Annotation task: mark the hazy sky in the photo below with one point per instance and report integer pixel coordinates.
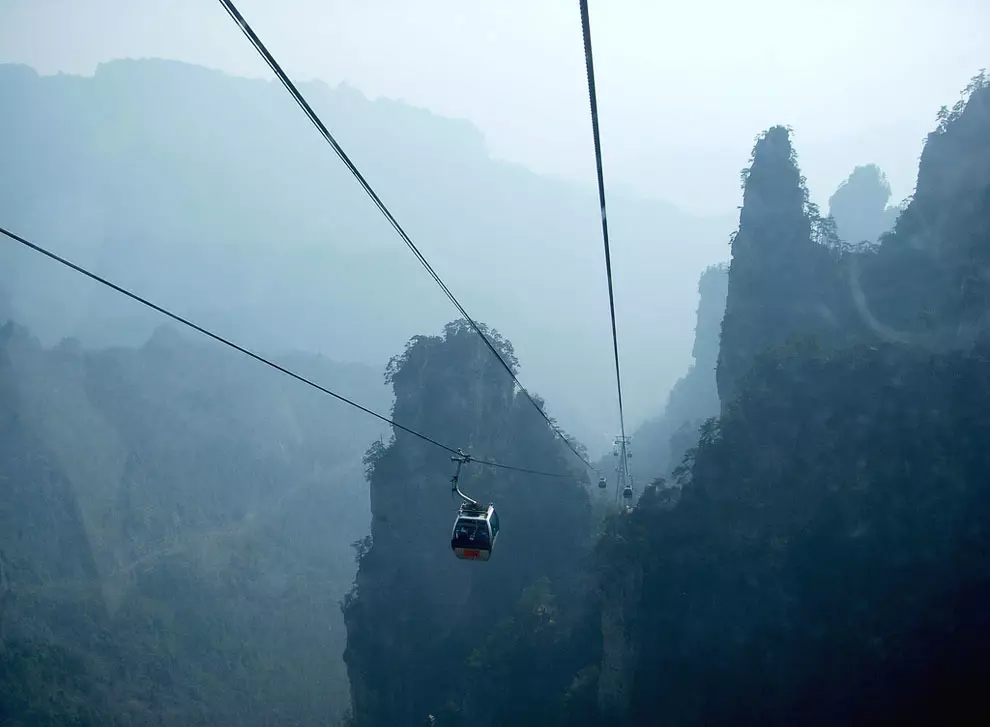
(683, 87)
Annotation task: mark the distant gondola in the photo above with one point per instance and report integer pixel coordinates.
(602, 483)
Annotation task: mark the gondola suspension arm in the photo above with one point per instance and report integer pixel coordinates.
(461, 459)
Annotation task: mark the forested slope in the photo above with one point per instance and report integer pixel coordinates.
(820, 562)
(175, 530)
(173, 525)
(427, 633)
(859, 215)
(817, 558)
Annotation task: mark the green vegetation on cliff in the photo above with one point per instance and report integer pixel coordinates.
(427, 633)
(820, 561)
(175, 526)
(174, 534)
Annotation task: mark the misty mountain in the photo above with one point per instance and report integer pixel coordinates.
(214, 195)
(416, 612)
(660, 442)
(821, 560)
(175, 531)
(860, 213)
(860, 206)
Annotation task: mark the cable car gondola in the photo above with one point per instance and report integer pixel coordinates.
(476, 527)
(602, 483)
(475, 532)
(627, 492)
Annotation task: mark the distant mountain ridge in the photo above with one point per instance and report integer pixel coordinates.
(213, 194)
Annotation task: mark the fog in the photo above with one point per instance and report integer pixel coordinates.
(178, 509)
(678, 110)
(683, 87)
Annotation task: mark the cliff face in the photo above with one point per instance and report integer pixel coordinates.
(859, 206)
(949, 215)
(828, 517)
(621, 639)
(418, 618)
(928, 283)
(771, 261)
(948, 211)
(660, 443)
(695, 397)
(822, 562)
